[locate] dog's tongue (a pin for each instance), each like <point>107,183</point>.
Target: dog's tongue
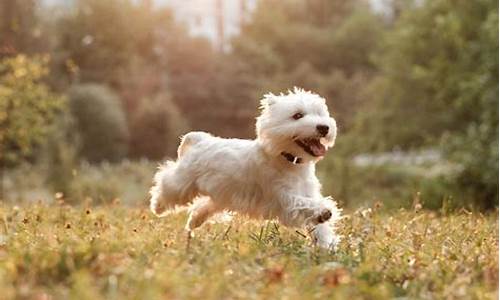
<point>316,147</point>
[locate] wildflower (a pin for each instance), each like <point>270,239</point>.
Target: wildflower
<point>335,277</point>
<point>275,274</point>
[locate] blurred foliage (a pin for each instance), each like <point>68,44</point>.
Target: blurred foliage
<point>359,186</point>
<point>320,45</point>
<point>104,183</point>
<point>101,38</point>
<point>21,30</point>
<point>100,122</point>
<point>439,77</point>
<point>79,182</point>
<point>27,107</point>
<point>131,55</point>
<point>156,128</point>
<point>420,74</point>
<point>61,155</point>
<point>212,90</point>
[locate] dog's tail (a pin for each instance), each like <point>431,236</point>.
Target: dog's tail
<point>172,190</point>
<point>173,187</point>
<point>190,139</point>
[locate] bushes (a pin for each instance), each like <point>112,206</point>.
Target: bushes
<point>100,183</point>
<point>27,107</point>
<point>477,152</point>
<point>155,129</point>
<point>438,83</point>
<point>100,122</point>
<point>127,181</point>
<point>395,184</point>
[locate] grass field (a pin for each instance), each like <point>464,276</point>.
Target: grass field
<point>117,252</point>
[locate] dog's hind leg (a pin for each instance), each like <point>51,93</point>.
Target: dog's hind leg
<point>201,209</point>
<point>172,188</point>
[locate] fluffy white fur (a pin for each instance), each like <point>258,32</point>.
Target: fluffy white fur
<point>255,177</point>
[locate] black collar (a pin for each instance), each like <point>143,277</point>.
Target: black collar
<point>293,159</point>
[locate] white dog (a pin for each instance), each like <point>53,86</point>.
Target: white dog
<point>270,177</point>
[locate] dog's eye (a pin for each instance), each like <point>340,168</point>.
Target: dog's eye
<point>298,116</point>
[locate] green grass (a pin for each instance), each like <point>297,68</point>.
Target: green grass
<point>118,252</point>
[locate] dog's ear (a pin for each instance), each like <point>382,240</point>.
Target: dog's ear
<point>268,100</point>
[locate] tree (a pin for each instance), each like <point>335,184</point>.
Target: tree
<point>27,109</point>
<point>20,28</point>
<point>133,49</point>
<point>439,83</point>
<point>320,45</point>
<point>104,41</point>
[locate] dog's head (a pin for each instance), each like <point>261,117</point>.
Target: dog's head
<point>297,123</point>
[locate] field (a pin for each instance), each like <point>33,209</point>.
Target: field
<point>115,252</point>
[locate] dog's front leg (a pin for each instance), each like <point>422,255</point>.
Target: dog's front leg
<point>300,211</point>
<point>323,235</point>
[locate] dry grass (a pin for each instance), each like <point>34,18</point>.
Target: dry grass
<point>117,252</point>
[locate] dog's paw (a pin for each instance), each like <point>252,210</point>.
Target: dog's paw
<point>157,207</point>
<point>324,216</point>
<point>323,236</point>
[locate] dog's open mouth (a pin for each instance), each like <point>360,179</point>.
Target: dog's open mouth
<point>312,146</point>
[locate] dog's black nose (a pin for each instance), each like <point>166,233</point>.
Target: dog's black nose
<point>322,129</point>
